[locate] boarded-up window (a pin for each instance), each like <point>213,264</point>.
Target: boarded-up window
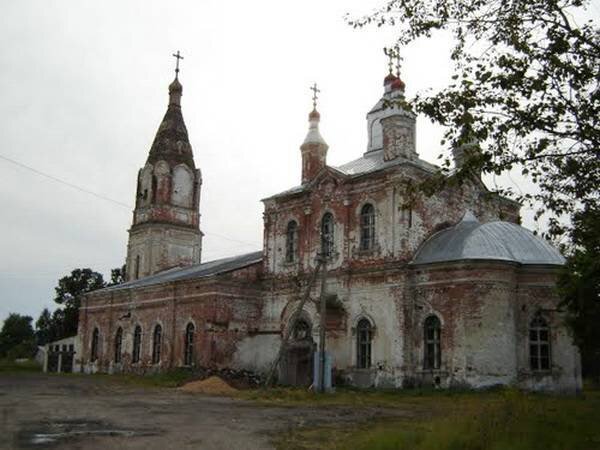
<point>183,187</point>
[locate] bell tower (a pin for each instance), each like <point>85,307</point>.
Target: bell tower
<point>165,231</point>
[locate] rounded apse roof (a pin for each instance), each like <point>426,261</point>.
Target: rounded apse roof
<point>503,241</point>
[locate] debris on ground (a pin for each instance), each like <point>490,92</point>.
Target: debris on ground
<point>211,385</point>
<point>239,379</point>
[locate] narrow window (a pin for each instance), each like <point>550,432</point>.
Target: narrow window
<point>364,335</point>
<point>137,344</point>
<point>327,235</point>
<point>539,344</point>
<point>291,245</point>
<point>367,227</point>
<point>118,345</point>
<point>156,344</point>
<point>432,338</point>
<point>189,345</point>
<point>95,344</point>
<point>154,187</point>
<point>137,267</point>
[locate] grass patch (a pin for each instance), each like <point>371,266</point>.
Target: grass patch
<point>169,379</point>
<point>501,420</point>
<point>7,365</point>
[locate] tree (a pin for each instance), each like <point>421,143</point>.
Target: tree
<point>580,288</point>
<point>526,88</point>
<point>118,275</point>
<point>17,339</point>
<point>69,291</point>
<point>45,330</point>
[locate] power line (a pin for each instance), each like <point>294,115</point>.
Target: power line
<point>66,183</point>
<point>104,197</point>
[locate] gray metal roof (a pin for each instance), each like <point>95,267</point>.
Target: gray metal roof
<point>373,161</point>
<point>370,162</point>
<point>197,271</point>
<point>503,241</point>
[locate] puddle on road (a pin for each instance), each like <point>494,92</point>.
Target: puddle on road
<point>49,434</point>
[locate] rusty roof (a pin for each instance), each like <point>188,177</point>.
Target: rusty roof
<point>202,270</point>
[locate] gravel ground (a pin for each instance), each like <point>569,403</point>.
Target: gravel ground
<point>39,411</point>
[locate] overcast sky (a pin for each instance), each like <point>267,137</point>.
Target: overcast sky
<point>83,88</point>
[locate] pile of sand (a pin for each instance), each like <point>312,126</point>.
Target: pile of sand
<point>212,385</point>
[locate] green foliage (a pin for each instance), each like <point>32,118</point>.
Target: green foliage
<point>525,89</point>
<point>118,275</point>
<point>169,379</point>
<point>69,292</point>
<point>11,366</point>
<point>503,420</point>
<point>17,339</point>
<point>580,288</point>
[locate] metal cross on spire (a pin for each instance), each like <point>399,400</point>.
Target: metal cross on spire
<point>315,90</point>
<point>178,57</point>
<point>398,59</point>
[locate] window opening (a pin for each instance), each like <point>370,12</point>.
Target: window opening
<point>137,343</point>
<point>189,345</point>
<point>118,345</point>
<point>95,344</point>
<point>367,227</point>
<point>539,344</point>
<point>327,235</point>
<point>364,335</point>
<point>156,344</point>
<point>291,247</point>
<point>433,355</point>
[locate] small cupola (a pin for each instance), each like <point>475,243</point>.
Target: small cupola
<point>314,148</point>
<point>391,127</point>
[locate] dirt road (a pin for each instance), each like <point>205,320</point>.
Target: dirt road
<point>39,411</point>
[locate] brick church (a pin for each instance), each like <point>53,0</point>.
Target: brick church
<point>446,289</point>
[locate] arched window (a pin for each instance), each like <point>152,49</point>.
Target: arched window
<point>118,345</point>
<point>364,335</point>
<point>188,357</point>
<point>301,330</point>
<point>432,340</point>
<point>539,344</point>
<point>291,243</point>
<point>327,235</point>
<point>95,345</point>
<point>367,227</point>
<point>137,344</point>
<point>156,344</point>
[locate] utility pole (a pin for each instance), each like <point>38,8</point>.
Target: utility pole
<point>293,320</point>
<point>323,324</point>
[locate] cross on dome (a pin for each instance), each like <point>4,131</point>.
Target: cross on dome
<point>315,96</point>
<point>178,57</point>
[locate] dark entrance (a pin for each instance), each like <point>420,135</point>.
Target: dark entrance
<point>298,359</point>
